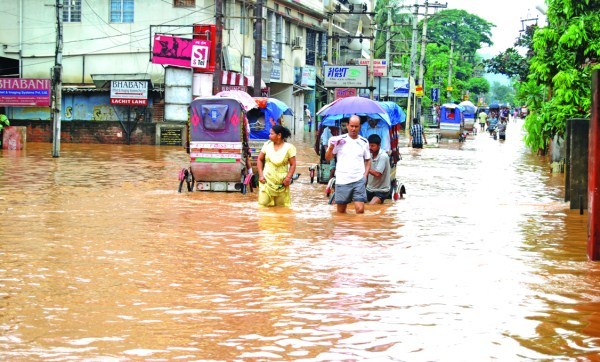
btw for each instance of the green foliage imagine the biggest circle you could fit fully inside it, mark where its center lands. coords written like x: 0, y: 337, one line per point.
x: 564, y: 54
x: 4, y: 121
x: 509, y: 63
x: 478, y: 86
x: 467, y: 32
x: 503, y: 94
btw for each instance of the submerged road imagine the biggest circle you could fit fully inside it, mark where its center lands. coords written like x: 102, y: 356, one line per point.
x: 101, y: 259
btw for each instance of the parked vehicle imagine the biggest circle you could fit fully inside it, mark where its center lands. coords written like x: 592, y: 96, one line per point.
x: 469, y: 115
x: 219, y: 137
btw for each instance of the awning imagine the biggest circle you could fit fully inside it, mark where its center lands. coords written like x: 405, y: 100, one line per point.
x: 235, y: 78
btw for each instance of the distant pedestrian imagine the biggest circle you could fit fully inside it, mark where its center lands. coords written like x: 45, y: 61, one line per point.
x: 307, y: 117
x: 482, y: 119
x: 417, y: 134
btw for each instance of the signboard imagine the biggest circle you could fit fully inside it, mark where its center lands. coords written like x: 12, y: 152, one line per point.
x: 419, y: 90
x: 172, y: 50
x: 379, y: 66
x: 242, y: 88
x: 200, y: 54
x: 275, y: 71
x: 401, y: 87
x: 309, y: 76
x: 171, y: 136
x: 206, y: 32
x: 345, y: 92
x: 25, y: 92
x: 345, y: 76
x: 435, y: 94
x: 129, y: 92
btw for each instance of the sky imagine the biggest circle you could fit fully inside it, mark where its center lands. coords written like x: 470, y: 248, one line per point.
x: 505, y: 14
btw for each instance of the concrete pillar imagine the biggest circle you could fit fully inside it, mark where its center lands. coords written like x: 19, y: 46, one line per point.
x: 594, y: 172
x: 568, y: 161
x: 578, y: 184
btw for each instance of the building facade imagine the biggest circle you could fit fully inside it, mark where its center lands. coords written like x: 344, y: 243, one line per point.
x: 107, y: 40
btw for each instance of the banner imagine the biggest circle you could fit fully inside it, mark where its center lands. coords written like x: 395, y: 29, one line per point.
x: 171, y: 50
x: 25, y: 92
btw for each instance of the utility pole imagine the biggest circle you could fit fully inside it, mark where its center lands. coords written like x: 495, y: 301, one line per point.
x: 413, y: 59
x: 421, y: 80
x: 57, y: 78
x: 218, y: 46
x: 371, y: 73
x: 449, y: 88
x: 258, y: 30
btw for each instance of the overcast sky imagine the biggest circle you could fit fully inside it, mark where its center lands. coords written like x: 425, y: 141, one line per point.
x: 505, y: 14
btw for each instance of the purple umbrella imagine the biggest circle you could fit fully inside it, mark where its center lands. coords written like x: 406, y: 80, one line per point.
x: 359, y: 106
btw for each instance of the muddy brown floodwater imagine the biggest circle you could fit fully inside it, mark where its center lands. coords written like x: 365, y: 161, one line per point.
x: 102, y: 259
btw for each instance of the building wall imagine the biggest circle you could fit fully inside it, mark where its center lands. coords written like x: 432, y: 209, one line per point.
x: 94, y: 45
x: 89, y: 132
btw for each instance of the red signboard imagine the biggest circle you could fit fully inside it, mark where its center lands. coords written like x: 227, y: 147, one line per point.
x: 345, y: 92
x: 25, y: 92
x: 209, y: 33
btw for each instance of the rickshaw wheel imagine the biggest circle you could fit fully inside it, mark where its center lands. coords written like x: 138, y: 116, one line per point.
x: 182, y: 177
x: 190, y: 181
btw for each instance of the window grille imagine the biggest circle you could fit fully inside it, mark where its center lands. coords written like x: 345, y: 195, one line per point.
x: 72, y: 11
x: 121, y: 11
x: 184, y: 3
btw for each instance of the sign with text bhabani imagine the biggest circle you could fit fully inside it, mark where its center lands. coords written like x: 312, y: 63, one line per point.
x: 345, y: 76
x: 25, y: 92
x: 129, y: 92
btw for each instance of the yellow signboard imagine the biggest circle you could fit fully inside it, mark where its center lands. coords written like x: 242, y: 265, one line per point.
x: 449, y: 88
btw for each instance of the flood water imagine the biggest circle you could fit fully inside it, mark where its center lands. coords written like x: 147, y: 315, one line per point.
x: 102, y: 259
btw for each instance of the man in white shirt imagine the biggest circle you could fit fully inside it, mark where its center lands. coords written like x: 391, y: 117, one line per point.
x: 352, y: 167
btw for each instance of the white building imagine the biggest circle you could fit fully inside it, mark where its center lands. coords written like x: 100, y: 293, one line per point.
x: 107, y: 40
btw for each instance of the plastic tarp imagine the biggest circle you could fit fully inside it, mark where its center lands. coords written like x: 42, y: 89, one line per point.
x: 394, y: 111
x: 267, y: 115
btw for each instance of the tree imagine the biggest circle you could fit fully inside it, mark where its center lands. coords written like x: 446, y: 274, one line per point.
x: 564, y: 54
x: 502, y: 93
x: 465, y: 33
x: 509, y: 63
x: 478, y: 86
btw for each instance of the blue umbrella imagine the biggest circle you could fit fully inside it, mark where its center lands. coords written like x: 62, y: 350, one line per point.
x: 346, y: 107
x: 394, y: 111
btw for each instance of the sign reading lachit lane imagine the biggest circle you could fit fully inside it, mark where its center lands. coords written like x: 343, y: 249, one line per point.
x: 129, y: 92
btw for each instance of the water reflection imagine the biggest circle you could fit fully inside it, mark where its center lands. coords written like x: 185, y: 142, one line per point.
x: 101, y: 258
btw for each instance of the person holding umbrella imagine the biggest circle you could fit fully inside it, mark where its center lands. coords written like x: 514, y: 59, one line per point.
x: 352, y: 167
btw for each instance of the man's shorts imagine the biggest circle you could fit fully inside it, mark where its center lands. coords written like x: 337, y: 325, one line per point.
x: 381, y: 195
x: 355, y: 191
x: 417, y: 145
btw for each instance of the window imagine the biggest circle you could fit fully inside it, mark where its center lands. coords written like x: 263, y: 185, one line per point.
x: 72, y: 11
x: 121, y: 11
x: 243, y: 20
x: 288, y: 32
x: 184, y: 3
